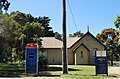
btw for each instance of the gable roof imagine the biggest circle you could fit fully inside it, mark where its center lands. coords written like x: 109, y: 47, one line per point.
x: 71, y: 41
x: 52, y: 42
x: 88, y: 33
x: 81, y: 44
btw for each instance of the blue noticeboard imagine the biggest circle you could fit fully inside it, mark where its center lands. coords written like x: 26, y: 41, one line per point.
x: 101, y: 62
x: 31, y: 58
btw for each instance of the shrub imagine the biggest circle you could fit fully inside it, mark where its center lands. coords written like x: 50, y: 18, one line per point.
x: 42, y: 58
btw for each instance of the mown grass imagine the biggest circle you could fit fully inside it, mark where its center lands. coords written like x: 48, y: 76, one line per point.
x: 78, y: 71
x: 11, y: 70
x: 6, y: 66
x: 74, y: 71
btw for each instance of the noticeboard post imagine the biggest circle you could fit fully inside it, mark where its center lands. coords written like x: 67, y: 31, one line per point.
x: 101, y: 62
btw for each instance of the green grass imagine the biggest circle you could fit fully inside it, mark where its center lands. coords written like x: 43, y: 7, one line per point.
x: 74, y: 71
x: 78, y: 71
x: 5, y: 66
x: 11, y: 70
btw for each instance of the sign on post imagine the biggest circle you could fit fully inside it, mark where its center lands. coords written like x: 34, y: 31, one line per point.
x: 101, y: 62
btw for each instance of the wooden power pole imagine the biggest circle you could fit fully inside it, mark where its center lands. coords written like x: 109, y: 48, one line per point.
x: 65, y: 55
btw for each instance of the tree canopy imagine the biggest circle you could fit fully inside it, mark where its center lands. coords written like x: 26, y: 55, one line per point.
x: 24, y: 19
x: 17, y: 29
x: 76, y: 34
x: 4, y: 4
x: 108, y: 37
x: 117, y: 25
x: 8, y: 32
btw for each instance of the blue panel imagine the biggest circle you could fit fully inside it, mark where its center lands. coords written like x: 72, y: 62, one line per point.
x: 31, y: 60
x: 101, y: 65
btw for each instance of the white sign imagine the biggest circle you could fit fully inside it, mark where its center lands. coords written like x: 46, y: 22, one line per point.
x: 101, y: 54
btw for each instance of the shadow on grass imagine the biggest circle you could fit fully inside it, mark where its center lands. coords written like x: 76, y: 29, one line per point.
x: 48, y: 74
x: 11, y: 73
x: 85, y: 76
x: 60, y: 69
x: 15, y: 70
x: 21, y: 73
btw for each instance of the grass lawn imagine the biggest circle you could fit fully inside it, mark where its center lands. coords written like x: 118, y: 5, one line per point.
x: 77, y: 71
x: 11, y: 70
x: 74, y: 71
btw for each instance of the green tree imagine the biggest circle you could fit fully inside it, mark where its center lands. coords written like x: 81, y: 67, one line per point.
x: 110, y: 39
x: 8, y: 33
x: 117, y: 25
x: 2, y: 49
x: 4, y: 4
x: 33, y: 31
x: 117, y: 21
x: 47, y: 32
x: 23, y: 18
x: 17, y: 29
x: 32, y: 28
x: 76, y: 34
x: 58, y: 36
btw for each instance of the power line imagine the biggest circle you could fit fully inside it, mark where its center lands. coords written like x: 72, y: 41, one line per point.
x: 72, y: 15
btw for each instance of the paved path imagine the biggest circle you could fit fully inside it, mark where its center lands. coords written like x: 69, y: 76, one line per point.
x: 112, y: 78
x: 114, y: 70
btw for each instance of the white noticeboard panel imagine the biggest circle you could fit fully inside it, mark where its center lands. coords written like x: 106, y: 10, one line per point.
x: 101, y: 54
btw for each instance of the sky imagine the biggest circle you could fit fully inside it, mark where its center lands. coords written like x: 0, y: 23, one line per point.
x: 97, y: 14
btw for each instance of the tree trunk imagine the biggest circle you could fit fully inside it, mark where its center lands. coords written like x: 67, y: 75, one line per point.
x: 111, y: 59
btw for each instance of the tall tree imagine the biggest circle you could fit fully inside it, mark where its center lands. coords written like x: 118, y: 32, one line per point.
x: 117, y: 21
x: 8, y: 33
x: 76, y: 34
x: 109, y: 38
x: 18, y: 29
x: 32, y: 29
x: 48, y: 32
x: 117, y: 25
x: 4, y: 4
x: 23, y: 18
